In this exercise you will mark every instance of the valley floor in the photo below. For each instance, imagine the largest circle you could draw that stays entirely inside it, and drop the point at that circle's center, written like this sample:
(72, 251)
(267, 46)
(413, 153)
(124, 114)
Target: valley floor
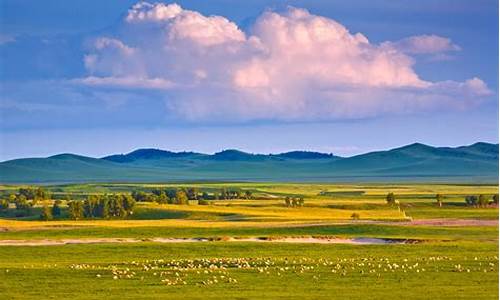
(259, 249)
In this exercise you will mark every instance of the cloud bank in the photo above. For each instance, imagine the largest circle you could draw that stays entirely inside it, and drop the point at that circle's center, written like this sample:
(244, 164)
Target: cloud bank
(291, 66)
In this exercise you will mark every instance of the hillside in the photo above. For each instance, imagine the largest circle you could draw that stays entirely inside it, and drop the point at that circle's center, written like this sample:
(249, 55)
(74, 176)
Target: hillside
(415, 162)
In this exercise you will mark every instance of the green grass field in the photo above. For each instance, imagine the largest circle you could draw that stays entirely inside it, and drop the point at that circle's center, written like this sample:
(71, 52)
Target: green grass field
(456, 258)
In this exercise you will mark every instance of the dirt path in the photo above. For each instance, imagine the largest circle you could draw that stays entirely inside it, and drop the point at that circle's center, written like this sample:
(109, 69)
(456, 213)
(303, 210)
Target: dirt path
(293, 240)
(421, 222)
(452, 222)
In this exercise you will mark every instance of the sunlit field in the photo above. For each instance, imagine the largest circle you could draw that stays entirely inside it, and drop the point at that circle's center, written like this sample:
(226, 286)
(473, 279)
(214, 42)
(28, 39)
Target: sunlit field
(252, 246)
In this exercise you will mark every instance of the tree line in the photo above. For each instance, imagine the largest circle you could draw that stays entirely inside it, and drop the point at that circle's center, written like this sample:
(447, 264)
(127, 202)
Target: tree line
(481, 201)
(183, 195)
(471, 200)
(25, 199)
(118, 206)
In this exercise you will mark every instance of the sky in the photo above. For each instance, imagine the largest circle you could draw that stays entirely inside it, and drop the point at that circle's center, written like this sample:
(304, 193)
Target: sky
(265, 76)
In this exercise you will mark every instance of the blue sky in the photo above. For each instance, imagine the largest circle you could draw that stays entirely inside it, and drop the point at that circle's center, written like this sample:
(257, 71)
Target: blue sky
(101, 77)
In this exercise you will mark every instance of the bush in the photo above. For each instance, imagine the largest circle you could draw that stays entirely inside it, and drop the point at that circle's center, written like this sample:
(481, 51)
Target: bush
(75, 209)
(355, 216)
(56, 208)
(46, 214)
(4, 204)
(390, 198)
(439, 199)
(483, 200)
(294, 202)
(203, 202)
(471, 200)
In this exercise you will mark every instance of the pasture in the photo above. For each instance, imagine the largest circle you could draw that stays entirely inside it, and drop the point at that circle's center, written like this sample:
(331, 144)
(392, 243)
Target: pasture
(451, 251)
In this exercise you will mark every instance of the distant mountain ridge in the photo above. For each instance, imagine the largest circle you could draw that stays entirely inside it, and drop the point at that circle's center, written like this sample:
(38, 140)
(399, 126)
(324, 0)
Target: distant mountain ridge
(147, 154)
(229, 154)
(415, 162)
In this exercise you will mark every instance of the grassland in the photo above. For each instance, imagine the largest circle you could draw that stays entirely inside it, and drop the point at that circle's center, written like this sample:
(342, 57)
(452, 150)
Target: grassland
(450, 261)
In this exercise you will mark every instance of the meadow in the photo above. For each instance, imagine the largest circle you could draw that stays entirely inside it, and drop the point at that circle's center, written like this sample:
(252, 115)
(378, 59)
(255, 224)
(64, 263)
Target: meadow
(447, 252)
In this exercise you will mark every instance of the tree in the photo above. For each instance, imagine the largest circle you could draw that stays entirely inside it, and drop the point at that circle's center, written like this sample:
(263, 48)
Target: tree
(223, 194)
(181, 197)
(128, 204)
(390, 198)
(46, 214)
(162, 198)
(483, 200)
(142, 196)
(171, 193)
(301, 201)
(22, 203)
(75, 209)
(471, 200)
(12, 198)
(4, 204)
(90, 206)
(495, 199)
(287, 201)
(439, 200)
(56, 208)
(248, 194)
(192, 193)
(40, 195)
(116, 206)
(29, 193)
(103, 208)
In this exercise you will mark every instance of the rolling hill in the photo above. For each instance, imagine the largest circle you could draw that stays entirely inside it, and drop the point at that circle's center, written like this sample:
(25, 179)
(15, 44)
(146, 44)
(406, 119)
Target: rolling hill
(415, 162)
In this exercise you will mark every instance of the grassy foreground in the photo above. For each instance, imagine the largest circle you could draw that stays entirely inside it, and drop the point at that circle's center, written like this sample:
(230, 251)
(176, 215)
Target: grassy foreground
(458, 270)
(454, 261)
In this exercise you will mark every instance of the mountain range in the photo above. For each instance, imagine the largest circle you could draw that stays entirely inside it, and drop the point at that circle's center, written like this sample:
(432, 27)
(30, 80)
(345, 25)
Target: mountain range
(476, 163)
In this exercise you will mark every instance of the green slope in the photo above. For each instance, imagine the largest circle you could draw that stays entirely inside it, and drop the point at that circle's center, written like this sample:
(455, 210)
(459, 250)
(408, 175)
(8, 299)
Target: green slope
(416, 162)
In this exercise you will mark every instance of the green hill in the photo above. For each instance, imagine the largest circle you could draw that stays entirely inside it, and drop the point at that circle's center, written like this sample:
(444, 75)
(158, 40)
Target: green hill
(415, 162)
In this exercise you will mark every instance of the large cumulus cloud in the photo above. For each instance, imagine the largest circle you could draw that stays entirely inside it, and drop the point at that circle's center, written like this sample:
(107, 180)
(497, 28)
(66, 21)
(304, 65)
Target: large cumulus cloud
(292, 66)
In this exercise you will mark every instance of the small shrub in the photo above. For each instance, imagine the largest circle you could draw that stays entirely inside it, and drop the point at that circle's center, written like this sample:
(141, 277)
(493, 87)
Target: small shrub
(471, 200)
(390, 198)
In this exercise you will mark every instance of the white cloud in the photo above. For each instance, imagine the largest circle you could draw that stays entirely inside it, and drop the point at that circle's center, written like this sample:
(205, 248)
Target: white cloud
(291, 66)
(126, 82)
(424, 44)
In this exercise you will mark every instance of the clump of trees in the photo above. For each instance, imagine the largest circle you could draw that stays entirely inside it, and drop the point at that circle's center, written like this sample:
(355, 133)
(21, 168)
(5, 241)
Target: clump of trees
(294, 202)
(34, 194)
(481, 201)
(24, 200)
(117, 206)
(168, 196)
(184, 195)
(23, 207)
